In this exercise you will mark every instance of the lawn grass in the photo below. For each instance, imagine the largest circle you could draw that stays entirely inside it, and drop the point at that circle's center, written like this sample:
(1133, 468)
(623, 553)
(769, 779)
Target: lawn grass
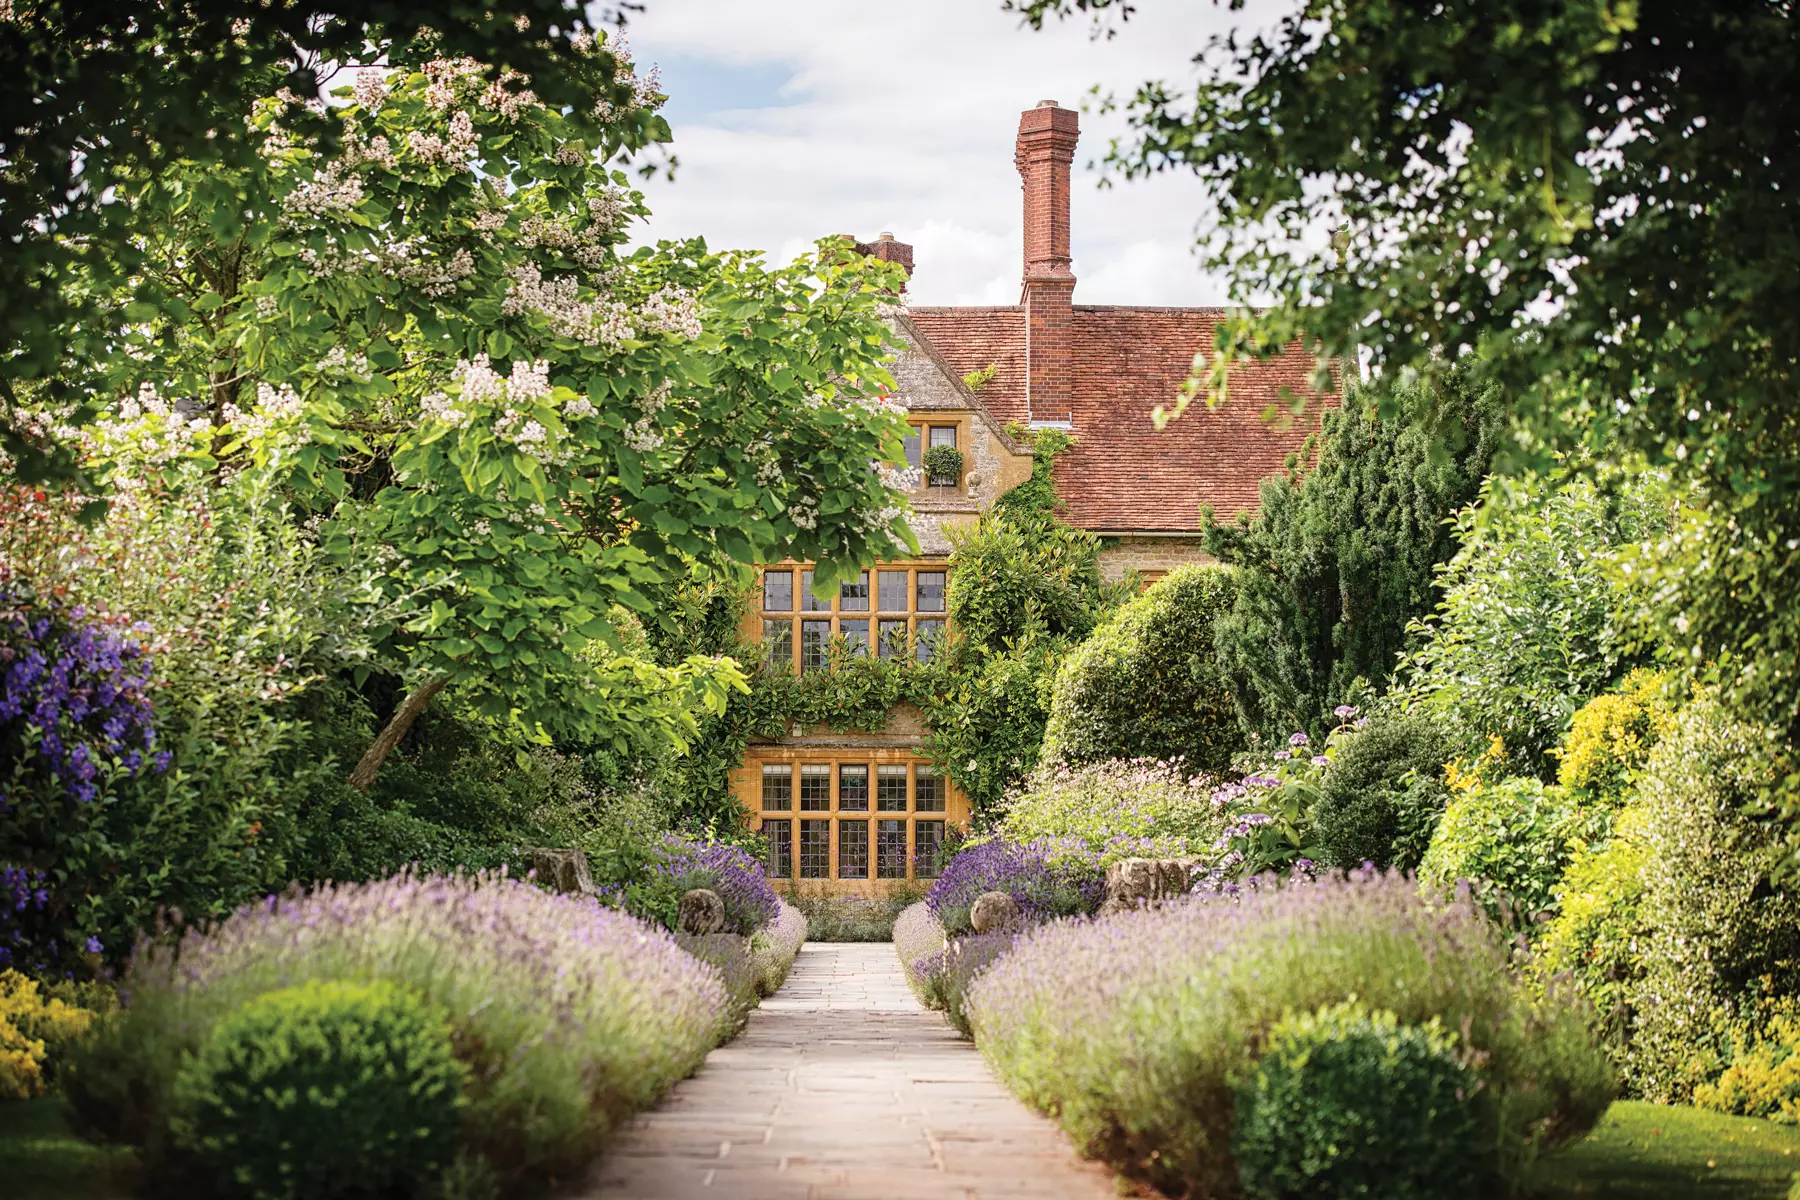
(1653, 1152)
(41, 1159)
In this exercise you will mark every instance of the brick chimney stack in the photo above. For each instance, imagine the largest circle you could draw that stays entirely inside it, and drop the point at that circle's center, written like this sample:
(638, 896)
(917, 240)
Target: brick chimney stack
(1046, 148)
(886, 249)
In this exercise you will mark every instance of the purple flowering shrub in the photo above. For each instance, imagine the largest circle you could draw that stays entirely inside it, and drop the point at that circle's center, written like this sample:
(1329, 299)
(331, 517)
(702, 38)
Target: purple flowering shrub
(1135, 1028)
(946, 975)
(1049, 878)
(569, 1016)
(679, 865)
(774, 947)
(917, 936)
(1271, 809)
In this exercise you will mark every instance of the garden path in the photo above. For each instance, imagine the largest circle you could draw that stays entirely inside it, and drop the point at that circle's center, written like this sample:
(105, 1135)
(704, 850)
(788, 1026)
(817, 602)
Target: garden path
(842, 1087)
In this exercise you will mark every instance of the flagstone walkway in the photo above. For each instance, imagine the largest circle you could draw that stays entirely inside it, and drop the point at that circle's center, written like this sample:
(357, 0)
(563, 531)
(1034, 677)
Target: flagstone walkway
(843, 1087)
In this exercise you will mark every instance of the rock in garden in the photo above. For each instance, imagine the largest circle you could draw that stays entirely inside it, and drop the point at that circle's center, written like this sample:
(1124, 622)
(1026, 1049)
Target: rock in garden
(994, 911)
(701, 912)
(563, 870)
(1144, 882)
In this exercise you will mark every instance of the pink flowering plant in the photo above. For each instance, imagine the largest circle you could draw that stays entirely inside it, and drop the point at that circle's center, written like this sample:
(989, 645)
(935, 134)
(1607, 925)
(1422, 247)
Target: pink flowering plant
(568, 1016)
(1118, 808)
(415, 311)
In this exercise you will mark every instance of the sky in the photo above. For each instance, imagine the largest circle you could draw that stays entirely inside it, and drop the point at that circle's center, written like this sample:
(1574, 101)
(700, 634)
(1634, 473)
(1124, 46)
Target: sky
(794, 119)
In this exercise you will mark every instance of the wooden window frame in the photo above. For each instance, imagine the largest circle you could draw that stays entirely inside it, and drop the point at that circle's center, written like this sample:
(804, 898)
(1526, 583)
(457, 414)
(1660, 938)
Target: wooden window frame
(955, 812)
(758, 622)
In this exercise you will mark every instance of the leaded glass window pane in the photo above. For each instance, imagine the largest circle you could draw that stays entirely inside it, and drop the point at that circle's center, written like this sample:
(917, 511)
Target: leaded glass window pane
(808, 601)
(925, 641)
(928, 842)
(853, 849)
(815, 637)
(781, 848)
(778, 591)
(815, 787)
(891, 586)
(854, 596)
(777, 787)
(890, 788)
(890, 849)
(893, 639)
(853, 787)
(943, 435)
(778, 636)
(928, 790)
(912, 446)
(815, 849)
(856, 633)
(931, 591)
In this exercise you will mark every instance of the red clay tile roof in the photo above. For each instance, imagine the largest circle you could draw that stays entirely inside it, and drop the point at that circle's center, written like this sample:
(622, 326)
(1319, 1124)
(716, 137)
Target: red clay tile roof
(1123, 475)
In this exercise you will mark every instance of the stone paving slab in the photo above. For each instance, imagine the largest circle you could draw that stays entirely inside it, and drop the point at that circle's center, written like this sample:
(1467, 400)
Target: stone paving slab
(842, 1087)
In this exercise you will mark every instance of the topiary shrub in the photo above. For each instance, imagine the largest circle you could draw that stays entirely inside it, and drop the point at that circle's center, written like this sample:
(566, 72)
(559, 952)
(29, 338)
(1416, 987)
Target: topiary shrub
(323, 1090)
(1147, 683)
(1511, 841)
(1381, 798)
(1349, 1103)
(1611, 737)
(1724, 925)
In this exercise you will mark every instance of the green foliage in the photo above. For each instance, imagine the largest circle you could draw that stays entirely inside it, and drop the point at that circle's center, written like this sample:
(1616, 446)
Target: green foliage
(314, 1091)
(1724, 932)
(1645, 1151)
(1584, 171)
(1511, 841)
(1612, 736)
(1117, 809)
(943, 465)
(1147, 683)
(1349, 1103)
(1763, 1079)
(1342, 553)
(1597, 941)
(1534, 619)
(980, 377)
(1381, 798)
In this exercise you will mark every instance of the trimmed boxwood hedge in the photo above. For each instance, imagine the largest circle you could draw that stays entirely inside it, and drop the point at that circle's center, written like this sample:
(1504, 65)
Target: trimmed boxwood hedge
(1147, 682)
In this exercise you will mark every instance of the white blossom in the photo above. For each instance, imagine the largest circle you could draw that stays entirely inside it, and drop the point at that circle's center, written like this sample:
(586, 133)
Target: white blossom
(673, 310)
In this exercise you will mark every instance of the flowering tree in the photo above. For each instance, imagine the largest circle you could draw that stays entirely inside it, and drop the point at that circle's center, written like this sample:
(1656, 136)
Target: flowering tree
(425, 326)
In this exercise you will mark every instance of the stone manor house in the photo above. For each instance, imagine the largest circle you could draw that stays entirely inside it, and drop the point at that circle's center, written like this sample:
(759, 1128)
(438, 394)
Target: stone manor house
(852, 813)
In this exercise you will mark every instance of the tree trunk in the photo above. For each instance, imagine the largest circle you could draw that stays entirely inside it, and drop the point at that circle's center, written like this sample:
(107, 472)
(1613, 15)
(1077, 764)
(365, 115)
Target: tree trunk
(409, 711)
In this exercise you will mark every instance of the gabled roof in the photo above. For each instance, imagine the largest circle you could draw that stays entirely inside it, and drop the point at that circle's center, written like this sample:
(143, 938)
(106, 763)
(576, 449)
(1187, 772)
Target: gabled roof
(1123, 475)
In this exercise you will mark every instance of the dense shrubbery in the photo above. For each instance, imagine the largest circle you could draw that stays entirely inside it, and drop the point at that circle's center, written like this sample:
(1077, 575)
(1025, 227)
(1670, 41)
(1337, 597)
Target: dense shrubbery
(1115, 808)
(680, 865)
(1763, 1079)
(1147, 682)
(1348, 1103)
(946, 975)
(37, 1031)
(1511, 840)
(1723, 926)
(1134, 1029)
(568, 1017)
(322, 1090)
(1611, 737)
(1047, 878)
(1382, 797)
(918, 934)
(774, 947)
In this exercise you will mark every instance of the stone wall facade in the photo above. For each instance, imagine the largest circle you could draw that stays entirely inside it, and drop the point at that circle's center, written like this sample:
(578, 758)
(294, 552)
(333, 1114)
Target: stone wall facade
(1150, 554)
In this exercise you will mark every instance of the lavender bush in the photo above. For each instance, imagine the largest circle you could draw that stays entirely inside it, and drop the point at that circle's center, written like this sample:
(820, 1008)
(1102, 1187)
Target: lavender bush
(946, 975)
(1050, 877)
(569, 1016)
(681, 864)
(1134, 1028)
(774, 947)
(917, 935)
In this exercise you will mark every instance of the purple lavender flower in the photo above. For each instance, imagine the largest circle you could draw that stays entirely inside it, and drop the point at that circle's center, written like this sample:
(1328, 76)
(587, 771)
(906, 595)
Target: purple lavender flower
(750, 902)
(1319, 760)
(1049, 877)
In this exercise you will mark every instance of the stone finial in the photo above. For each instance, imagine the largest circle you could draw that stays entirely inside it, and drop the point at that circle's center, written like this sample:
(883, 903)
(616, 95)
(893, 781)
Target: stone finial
(995, 912)
(701, 911)
(562, 870)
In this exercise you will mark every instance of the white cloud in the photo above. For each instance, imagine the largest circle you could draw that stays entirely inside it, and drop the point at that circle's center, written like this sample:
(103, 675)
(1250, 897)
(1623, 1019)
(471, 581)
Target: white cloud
(810, 117)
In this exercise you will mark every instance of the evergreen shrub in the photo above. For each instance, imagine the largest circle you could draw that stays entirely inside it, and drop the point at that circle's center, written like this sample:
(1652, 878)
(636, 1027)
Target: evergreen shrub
(1723, 918)
(1348, 1103)
(1511, 841)
(1147, 682)
(1134, 1029)
(1763, 1079)
(1611, 737)
(320, 1091)
(1381, 798)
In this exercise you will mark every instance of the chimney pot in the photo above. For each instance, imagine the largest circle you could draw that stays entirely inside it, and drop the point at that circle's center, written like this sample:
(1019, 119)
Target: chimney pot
(1045, 150)
(885, 237)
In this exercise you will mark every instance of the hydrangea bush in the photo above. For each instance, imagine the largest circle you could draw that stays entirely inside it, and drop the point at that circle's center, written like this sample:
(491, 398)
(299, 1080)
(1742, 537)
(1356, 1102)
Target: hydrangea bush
(1133, 1029)
(1048, 878)
(569, 1017)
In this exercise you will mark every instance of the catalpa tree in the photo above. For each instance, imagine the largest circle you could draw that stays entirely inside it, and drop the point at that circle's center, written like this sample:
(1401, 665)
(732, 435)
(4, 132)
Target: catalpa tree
(426, 327)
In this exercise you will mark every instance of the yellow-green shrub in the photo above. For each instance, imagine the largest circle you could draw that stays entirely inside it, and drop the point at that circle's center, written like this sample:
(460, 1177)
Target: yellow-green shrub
(33, 1030)
(1596, 938)
(1611, 737)
(1763, 1079)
